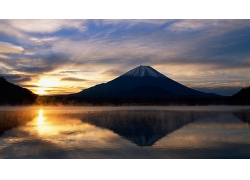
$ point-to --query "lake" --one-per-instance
(196, 132)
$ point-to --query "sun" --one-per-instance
(46, 82)
(41, 92)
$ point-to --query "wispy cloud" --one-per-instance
(8, 48)
(43, 40)
(77, 72)
(46, 26)
(73, 79)
(16, 78)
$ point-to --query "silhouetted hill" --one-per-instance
(242, 97)
(11, 94)
(142, 81)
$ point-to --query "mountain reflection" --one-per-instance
(243, 115)
(143, 128)
(12, 119)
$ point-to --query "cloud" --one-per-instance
(162, 48)
(113, 72)
(30, 86)
(134, 22)
(46, 25)
(43, 40)
(218, 84)
(191, 25)
(42, 64)
(4, 56)
(210, 27)
(16, 78)
(8, 48)
(73, 79)
(156, 47)
(6, 29)
(77, 72)
(105, 52)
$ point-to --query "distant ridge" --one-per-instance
(142, 82)
(13, 94)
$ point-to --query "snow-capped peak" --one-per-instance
(142, 71)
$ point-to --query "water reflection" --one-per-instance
(122, 134)
(142, 128)
(10, 119)
(40, 117)
(243, 115)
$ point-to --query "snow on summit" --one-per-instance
(142, 71)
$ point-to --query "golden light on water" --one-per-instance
(40, 117)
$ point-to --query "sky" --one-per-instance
(66, 56)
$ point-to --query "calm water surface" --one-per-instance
(125, 132)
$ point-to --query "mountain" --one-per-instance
(13, 94)
(148, 91)
(142, 82)
(242, 97)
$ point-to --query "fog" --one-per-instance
(113, 108)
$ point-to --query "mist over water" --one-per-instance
(125, 132)
(112, 108)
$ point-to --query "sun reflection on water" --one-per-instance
(66, 130)
(40, 117)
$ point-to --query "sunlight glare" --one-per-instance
(45, 82)
(41, 92)
(40, 117)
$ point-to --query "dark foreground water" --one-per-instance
(125, 132)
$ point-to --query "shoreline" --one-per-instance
(112, 108)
